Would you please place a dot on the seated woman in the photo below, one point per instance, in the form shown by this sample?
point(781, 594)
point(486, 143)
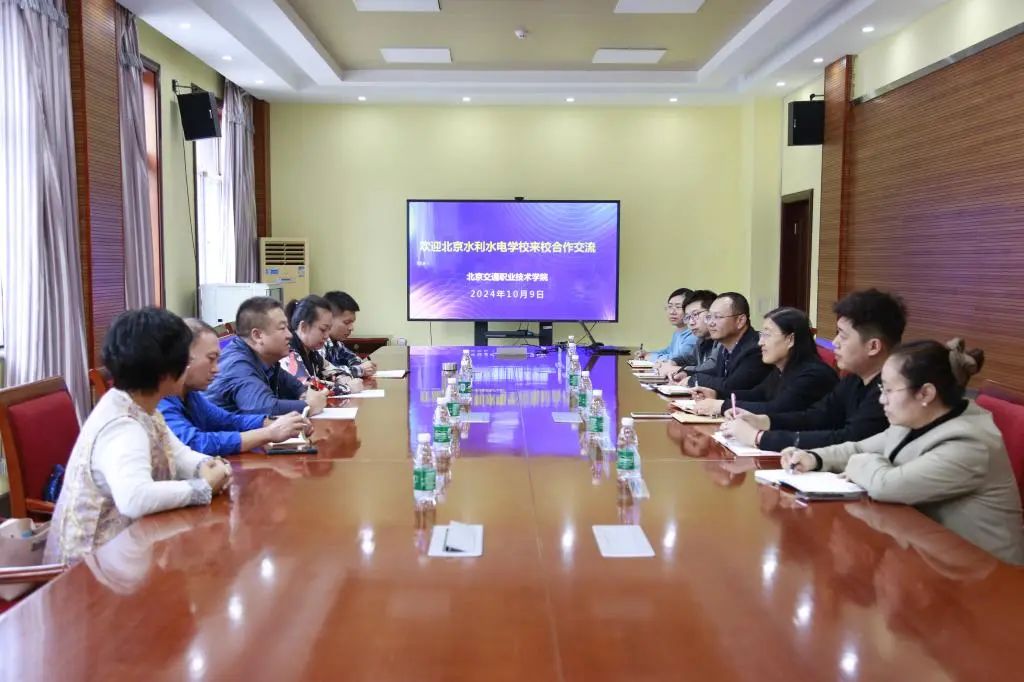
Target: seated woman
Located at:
point(207, 428)
point(683, 340)
point(310, 321)
point(942, 453)
point(126, 463)
point(800, 377)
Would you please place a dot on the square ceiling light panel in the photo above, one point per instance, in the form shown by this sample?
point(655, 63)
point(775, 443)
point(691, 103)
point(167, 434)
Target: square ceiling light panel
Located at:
point(397, 5)
point(658, 6)
point(416, 55)
point(608, 55)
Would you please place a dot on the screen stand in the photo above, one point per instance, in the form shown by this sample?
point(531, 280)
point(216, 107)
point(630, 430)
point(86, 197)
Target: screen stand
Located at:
point(481, 334)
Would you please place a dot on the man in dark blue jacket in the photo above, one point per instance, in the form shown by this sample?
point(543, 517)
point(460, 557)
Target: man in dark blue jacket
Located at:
point(250, 380)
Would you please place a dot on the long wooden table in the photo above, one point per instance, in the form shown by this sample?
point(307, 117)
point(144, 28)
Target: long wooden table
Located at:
point(316, 568)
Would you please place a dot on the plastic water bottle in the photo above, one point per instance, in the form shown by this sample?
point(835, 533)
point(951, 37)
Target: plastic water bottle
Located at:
point(627, 450)
point(466, 379)
point(596, 416)
point(583, 393)
point(573, 373)
point(451, 398)
point(442, 436)
point(424, 473)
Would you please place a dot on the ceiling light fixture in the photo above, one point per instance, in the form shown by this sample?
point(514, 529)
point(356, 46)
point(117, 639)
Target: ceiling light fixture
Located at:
point(868, 29)
point(673, 99)
point(467, 99)
point(780, 84)
point(226, 58)
point(362, 98)
point(570, 100)
point(185, 26)
point(818, 60)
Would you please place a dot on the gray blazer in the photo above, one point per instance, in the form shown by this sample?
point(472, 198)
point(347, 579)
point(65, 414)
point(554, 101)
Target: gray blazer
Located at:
point(958, 474)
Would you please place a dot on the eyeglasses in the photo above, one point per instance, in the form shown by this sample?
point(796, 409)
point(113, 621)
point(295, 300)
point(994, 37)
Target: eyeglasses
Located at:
point(886, 391)
point(715, 317)
point(669, 307)
point(769, 335)
point(695, 315)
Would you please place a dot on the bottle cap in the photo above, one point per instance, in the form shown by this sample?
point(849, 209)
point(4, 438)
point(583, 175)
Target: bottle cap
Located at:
point(448, 366)
point(465, 351)
point(451, 381)
point(627, 421)
point(598, 393)
point(585, 373)
point(574, 356)
point(423, 438)
point(441, 400)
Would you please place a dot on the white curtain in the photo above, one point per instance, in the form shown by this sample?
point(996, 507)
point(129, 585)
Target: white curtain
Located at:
point(139, 276)
point(42, 273)
point(239, 181)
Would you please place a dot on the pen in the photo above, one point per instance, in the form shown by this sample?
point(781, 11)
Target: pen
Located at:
point(305, 417)
point(734, 404)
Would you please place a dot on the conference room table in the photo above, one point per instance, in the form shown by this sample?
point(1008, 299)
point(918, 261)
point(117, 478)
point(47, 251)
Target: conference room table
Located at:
point(316, 567)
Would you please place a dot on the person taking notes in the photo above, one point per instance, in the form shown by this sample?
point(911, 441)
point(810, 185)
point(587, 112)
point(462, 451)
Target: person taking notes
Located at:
point(869, 324)
point(683, 340)
point(251, 381)
point(337, 353)
point(206, 428)
point(942, 454)
point(310, 320)
point(704, 354)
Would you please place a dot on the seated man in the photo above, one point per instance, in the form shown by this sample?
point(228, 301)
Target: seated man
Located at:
point(682, 341)
point(206, 428)
point(703, 355)
point(869, 324)
point(739, 363)
point(345, 308)
point(251, 380)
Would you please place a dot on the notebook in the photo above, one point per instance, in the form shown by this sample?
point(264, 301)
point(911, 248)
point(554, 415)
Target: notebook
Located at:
point(390, 373)
point(739, 449)
point(647, 374)
point(674, 389)
point(641, 364)
point(622, 542)
point(813, 485)
point(690, 418)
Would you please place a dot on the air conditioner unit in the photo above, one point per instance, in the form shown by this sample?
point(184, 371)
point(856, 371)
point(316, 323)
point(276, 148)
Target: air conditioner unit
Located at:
point(285, 262)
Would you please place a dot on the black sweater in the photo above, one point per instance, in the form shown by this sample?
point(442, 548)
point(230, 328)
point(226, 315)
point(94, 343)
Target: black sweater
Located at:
point(796, 388)
point(851, 412)
point(737, 369)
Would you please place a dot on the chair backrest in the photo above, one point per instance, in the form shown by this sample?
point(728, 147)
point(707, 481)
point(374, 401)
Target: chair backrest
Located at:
point(224, 341)
point(101, 381)
point(1007, 408)
point(39, 426)
point(825, 352)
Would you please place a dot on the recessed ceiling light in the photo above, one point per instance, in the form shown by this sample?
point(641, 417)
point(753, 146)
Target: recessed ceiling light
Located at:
point(570, 100)
point(259, 82)
point(608, 55)
point(397, 5)
point(362, 98)
point(868, 29)
point(416, 55)
point(185, 26)
point(673, 99)
point(818, 60)
point(467, 99)
point(226, 58)
point(780, 84)
point(658, 6)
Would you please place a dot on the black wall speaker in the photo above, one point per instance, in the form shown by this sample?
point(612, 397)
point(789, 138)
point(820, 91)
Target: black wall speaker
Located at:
point(806, 122)
point(199, 116)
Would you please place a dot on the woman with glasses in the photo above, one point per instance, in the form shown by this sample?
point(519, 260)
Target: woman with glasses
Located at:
point(683, 340)
point(942, 453)
point(799, 378)
point(310, 320)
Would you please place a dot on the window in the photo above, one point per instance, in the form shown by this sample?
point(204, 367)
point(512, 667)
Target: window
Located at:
point(151, 105)
point(216, 241)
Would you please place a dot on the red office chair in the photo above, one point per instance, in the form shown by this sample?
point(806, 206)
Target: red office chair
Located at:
point(39, 427)
point(825, 352)
point(1007, 408)
point(101, 381)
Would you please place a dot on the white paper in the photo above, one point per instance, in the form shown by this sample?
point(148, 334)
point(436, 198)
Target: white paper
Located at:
point(739, 449)
point(823, 483)
point(470, 535)
point(389, 373)
point(566, 417)
point(674, 389)
point(647, 375)
point(686, 405)
point(367, 393)
point(620, 542)
point(337, 413)
point(475, 417)
point(641, 364)
point(297, 440)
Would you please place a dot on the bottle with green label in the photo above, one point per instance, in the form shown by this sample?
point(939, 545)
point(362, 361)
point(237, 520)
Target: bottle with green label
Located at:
point(465, 377)
point(583, 393)
point(627, 460)
point(424, 473)
point(451, 397)
point(596, 417)
point(573, 373)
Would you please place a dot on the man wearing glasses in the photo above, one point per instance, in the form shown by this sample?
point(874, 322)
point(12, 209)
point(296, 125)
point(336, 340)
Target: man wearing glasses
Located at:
point(682, 341)
point(703, 355)
point(739, 364)
point(869, 325)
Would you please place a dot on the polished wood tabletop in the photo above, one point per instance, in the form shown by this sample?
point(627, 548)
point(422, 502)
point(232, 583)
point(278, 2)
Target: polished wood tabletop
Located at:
point(316, 568)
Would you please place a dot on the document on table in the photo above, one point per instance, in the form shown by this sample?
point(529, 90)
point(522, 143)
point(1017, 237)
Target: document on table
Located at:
point(389, 373)
point(647, 374)
point(690, 418)
point(566, 417)
point(814, 485)
point(337, 413)
point(739, 449)
point(368, 393)
point(457, 540)
point(674, 389)
point(621, 542)
point(641, 364)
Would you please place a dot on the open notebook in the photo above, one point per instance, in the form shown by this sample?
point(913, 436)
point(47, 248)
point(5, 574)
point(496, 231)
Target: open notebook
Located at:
point(641, 364)
point(813, 485)
point(674, 390)
point(739, 449)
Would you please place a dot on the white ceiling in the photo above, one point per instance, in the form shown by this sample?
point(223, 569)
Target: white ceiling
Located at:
point(276, 56)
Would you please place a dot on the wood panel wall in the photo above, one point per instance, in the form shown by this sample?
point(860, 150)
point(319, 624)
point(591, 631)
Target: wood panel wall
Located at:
point(261, 164)
point(937, 204)
point(94, 94)
point(834, 191)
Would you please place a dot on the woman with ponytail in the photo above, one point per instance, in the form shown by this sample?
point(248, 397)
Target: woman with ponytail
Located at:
point(941, 453)
point(310, 321)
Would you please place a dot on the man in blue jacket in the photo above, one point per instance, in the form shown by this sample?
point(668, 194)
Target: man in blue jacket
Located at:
point(206, 428)
point(251, 380)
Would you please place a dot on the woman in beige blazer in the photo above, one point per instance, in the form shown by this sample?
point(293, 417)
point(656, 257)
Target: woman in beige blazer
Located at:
point(941, 453)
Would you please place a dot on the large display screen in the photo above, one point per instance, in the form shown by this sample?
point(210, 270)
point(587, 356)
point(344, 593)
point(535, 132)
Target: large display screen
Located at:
point(513, 260)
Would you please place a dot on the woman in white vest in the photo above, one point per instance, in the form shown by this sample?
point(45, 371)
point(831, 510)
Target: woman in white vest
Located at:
point(942, 453)
point(126, 463)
